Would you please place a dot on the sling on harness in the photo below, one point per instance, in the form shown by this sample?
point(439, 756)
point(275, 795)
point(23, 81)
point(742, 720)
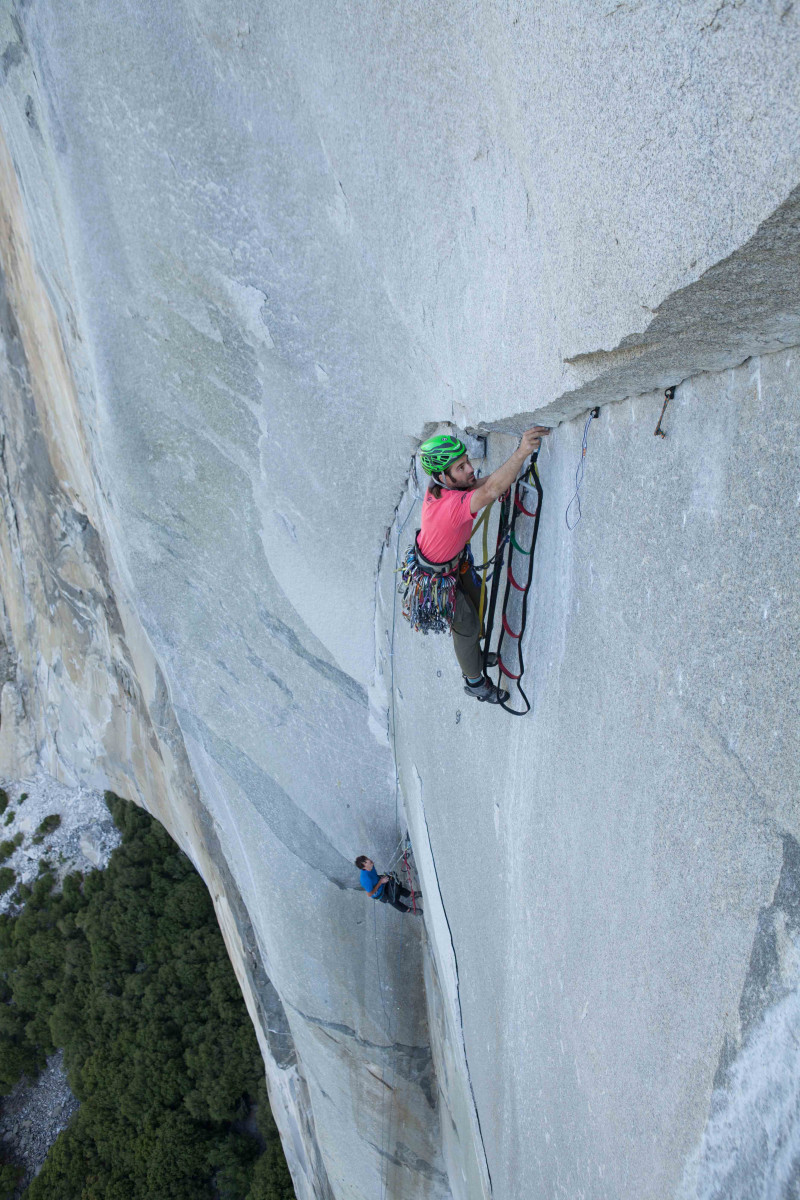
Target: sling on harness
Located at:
point(518, 529)
point(410, 882)
point(429, 589)
point(401, 855)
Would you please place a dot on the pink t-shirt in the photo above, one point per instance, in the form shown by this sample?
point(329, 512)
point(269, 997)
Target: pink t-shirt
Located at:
point(446, 525)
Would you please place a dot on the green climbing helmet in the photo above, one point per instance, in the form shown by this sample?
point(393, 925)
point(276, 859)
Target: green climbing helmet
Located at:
point(440, 452)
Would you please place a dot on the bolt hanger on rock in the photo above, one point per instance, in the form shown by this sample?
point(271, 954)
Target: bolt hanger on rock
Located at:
point(668, 394)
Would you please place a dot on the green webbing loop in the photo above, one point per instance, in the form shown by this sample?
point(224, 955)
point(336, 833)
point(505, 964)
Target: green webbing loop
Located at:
point(517, 546)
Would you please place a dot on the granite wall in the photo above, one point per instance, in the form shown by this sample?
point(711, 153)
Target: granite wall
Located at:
point(250, 256)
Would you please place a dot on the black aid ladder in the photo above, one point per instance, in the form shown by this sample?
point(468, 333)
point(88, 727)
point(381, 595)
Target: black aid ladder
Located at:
point(517, 531)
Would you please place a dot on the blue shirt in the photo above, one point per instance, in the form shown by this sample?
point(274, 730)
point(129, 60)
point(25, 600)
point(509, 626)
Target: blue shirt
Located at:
point(368, 881)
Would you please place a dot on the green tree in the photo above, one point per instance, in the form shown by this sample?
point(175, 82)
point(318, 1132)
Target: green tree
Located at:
point(127, 971)
point(10, 1175)
point(8, 846)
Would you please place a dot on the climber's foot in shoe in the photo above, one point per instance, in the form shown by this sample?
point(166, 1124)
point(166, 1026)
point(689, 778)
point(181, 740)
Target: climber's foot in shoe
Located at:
point(485, 691)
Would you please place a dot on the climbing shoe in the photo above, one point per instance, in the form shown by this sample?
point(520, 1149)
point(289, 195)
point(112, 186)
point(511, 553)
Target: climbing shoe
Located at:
point(491, 659)
point(486, 691)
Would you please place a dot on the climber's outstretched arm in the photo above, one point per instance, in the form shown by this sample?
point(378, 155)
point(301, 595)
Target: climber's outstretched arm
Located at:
point(501, 479)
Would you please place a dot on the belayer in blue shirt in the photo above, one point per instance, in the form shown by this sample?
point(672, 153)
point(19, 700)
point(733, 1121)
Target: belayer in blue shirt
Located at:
point(384, 887)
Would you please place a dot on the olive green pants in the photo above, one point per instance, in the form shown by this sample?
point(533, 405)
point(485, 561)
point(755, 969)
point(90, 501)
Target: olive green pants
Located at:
point(466, 627)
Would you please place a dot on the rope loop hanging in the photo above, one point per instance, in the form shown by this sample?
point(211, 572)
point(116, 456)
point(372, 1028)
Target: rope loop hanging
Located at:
point(576, 498)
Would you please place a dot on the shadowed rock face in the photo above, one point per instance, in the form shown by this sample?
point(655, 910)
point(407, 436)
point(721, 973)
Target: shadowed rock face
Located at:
point(248, 258)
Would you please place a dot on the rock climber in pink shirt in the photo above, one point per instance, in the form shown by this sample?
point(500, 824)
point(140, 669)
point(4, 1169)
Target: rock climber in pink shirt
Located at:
point(436, 572)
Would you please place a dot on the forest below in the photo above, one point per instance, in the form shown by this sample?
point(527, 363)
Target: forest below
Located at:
point(125, 969)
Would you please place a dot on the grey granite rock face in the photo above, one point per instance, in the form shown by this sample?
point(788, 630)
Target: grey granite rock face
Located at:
point(618, 872)
point(250, 255)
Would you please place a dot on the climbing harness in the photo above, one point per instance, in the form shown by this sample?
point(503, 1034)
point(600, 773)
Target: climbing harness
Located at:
point(517, 529)
point(401, 855)
point(429, 589)
point(579, 472)
point(668, 395)
point(399, 862)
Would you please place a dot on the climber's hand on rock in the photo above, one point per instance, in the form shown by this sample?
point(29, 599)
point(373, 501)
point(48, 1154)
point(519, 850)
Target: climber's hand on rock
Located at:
point(532, 438)
point(503, 478)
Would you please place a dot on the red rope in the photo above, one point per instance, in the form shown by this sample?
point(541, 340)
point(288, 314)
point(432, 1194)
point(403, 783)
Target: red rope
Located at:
point(410, 888)
point(508, 628)
point(522, 507)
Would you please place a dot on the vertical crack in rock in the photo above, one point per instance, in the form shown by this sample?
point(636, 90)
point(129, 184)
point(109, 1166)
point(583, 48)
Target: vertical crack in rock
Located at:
point(322, 1186)
point(458, 1008)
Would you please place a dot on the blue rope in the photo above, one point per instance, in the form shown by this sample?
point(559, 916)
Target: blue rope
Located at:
point(579, 473)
